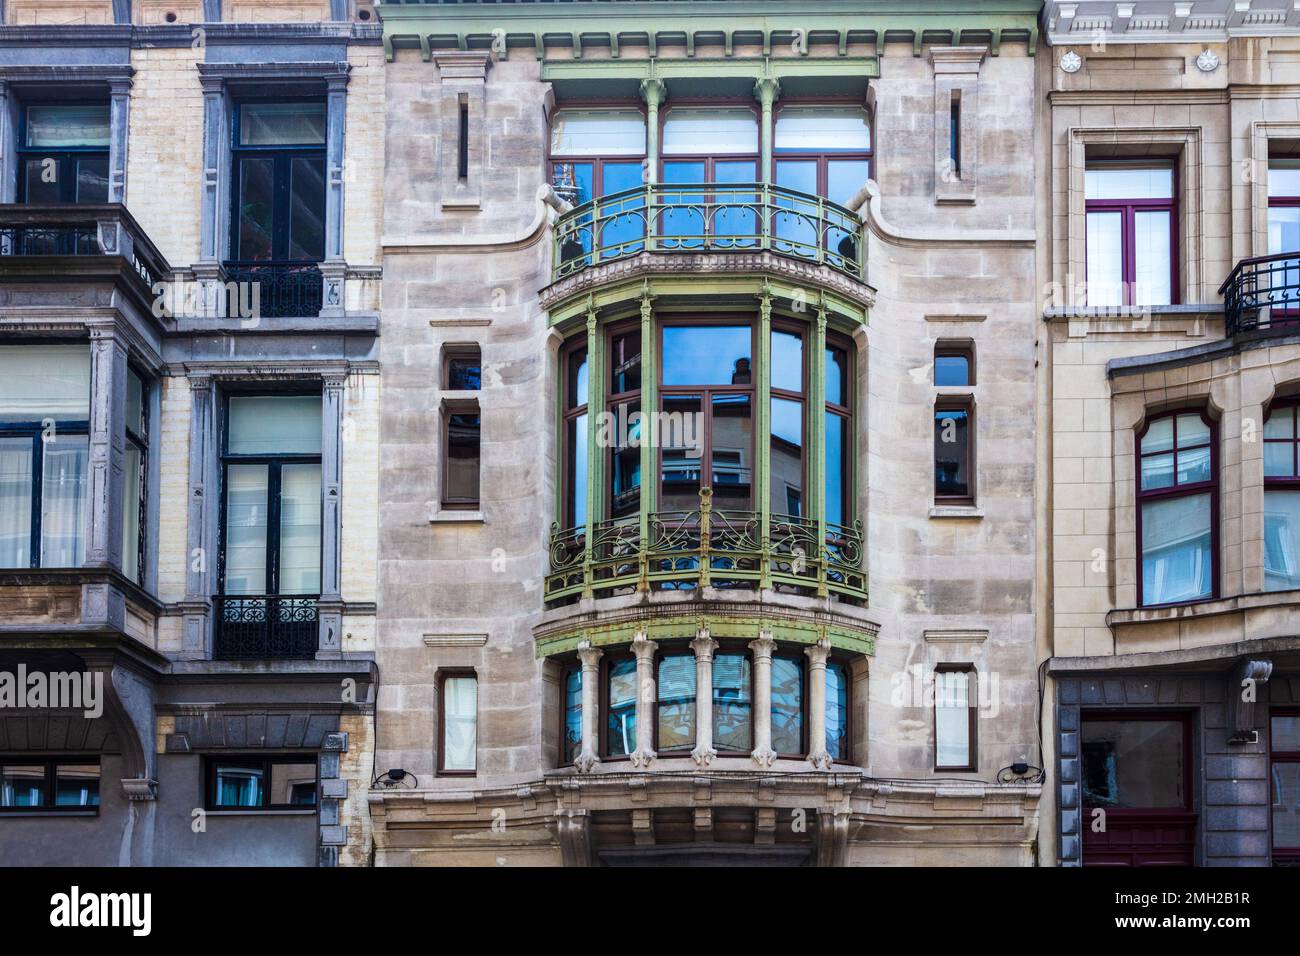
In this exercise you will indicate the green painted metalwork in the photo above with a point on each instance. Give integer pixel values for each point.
(709, 217)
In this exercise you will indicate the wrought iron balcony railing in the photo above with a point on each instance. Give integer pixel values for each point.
(279, 289)
(265, 626)
(1263, 293)
(706, 547)
(31, 232)
(708, 217)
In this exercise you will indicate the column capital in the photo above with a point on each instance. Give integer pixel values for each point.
(767, 90)
(763, 646)
(704, 645)
(643, 647)
(653, 91)
(818, 654)
(589, 656)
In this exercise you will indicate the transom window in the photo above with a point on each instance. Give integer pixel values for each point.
(1282, 496)
(63, 153)
(1131, 235)
(597, 152)
(823, 150)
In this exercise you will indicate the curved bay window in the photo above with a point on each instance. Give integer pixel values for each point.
(838, 676)
(717, 146)
(1177, 508)
(789, 738)
(675, 703)
(620, 692)
(1282, 496)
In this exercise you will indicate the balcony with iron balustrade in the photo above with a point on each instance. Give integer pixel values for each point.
(1261, 296)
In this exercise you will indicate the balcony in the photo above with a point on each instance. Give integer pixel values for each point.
(278, 289)
(724, 549)
(1263, 295)
(709, 218)
(265, 626)
(48, 241)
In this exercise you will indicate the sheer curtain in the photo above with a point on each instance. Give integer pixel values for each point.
(300, 506)
(63, 498)
(15, 502)
(460, 715)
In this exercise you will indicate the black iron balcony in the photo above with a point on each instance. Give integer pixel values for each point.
(278, 289)
(33, 238)
(264, 626)
(1263, 294)
(709, 217)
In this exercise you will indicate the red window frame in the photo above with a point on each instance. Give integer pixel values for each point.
(1128, 209)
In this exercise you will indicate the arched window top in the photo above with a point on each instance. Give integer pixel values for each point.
(710, 131)
(823, 129)
(1175, 450)
(598, 132)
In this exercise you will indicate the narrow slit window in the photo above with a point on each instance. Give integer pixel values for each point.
(462, 156)
(954, 133)
(461, 452)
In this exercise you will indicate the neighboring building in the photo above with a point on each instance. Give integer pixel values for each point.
(789, 617)
(1171, 224)
(188, 478)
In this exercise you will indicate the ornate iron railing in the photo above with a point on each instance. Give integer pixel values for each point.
(708, 217)
(704, 547)
(279, 289)
(1263, 293)
(265, 626)
(105, 229)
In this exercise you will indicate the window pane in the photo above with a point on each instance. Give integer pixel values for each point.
(256, 206)
(578, 470)
(1114, 182)
(823, 128)
(15, 502)
(787, 705)
(1159, 436)
(1105, 284)
(42, 179)
(572, 742)
(787, 361)
(460, 719)
(1157, 472)
(463, 431)
(952, 701)
(61, 127)
(300, 507)
(135, 396)
(1194, 466)
(844, 177)
(598, 133)
(240, 785)
(1152, 256)
(275, 425)
(464, 374)
(837, 376)
(1280, 422)
(1286, 804)
(732, 704)
(307, 209)
(92, 180)
(621, 729)
(1192, 430)
(1133, 763)
(681, 446)
(293, 785)
(1281, 541)
(625, 363)
(625, 460)
(22, 785)
(131, 485)
(733, 440)
(951, 370)
(76, 785)
(578, 379)
(1279, 459)
(44, 381)
(837, 482)
(1283, 229)
(245, 531)
(1284, 178)
(63, 498)
(282, 124)
(710, 132)
(787, 457)
(837, 710)
(951, 459)
(1176, 556)
(676, 687)
(706, 355)
(574, 182)
(1285, 733)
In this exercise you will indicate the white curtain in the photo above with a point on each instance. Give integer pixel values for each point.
(15, 502)
(300, 506)
(275, 425)
(44, 381)
(460, 714)
(63, 499)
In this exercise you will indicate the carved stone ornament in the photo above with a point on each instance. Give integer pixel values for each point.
(1071, 62)
(1208, 61)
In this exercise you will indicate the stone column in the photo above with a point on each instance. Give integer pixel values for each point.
(107, 453)
(762, 650)
(818, 756)
(644, 649)
(201, 519)
(330, 607)
(119, 91)
(334, 268)
(8, 144)
(588, 759)
(703, 646)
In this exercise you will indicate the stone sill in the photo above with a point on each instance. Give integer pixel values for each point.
(456, 517)
(1203, 609)
(261, 813)
(957, 511)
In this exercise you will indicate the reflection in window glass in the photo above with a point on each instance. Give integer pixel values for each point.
(732, 703)
(787, 361)
(1281, 539)
(572, 743)
(22, 785)
(598, 133)
(67, 126)
(76, 785)
(732, 433)
(282, 124)
(1176, 550)
(787, 705)
(951, 369)
(706, 355)
(239, 785)
(463, 436)
(676, 710)
(707, 131)
(620, 731)
(822, 129)
(787, 457)
(837, 710)
(1133, 764)
(952, 453)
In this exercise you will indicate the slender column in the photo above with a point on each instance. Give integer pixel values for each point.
(644, 649)
(649, 436)
(766, 92)
(119, 91)
(587, 759)
(817, 444)
(595, 454)
(703, 646)
(330, 606)
(214, 127)
(817, 753)
(762, 650)
(107, 449)
(8, 144)
(762, 432)
(652, 91)
(201, 518)
(334, 269)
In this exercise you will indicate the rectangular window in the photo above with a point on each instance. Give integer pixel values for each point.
(134, 508)
(462, 368)
(461, 450)
(1283, 236)
(733, 709)
(953, 459)
(955, 714)
(1282, 497)
(462, 142)
(954, 365)
(256, 782)
(1131, 235)
(36, 783)
(279, 175)
(838, 744)
(571, 729)
(954, 133)
(1134, 762)
(675, 707)
(458, 715)
(1177, 503)
(1284, 749)
(620, 706)
(63, 154)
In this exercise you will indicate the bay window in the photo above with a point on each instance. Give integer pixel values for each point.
(620, 692)
(597, 153)
(716, 146)
(1177, 507)
(675, 704)
(788, 703)
(571, 712)
(1282, 496)
(1131, 240)
(733, 702)
(63, 153)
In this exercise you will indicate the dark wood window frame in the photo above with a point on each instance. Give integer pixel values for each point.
(598, 163)
(846, 663)
(963, 403)
(710, 160)
(572, 408)
(66, 157)
(800, 660)
(947, 348)
(729, 648)
(267, 762)
(451, 409)
(50, 764)
(972, 707)
(454, 352)
(823, 157)
(1128, 210)
(441, 681)
(1287, 856)
(567, 668)
(606, 666)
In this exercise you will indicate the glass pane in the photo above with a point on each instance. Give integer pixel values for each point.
(621, 729)
(787, 361)
(952, 702)
(797, 223)
(1105, 254)
(282, 124)
(1284, 179)
(694, 131)
(44, 381)
(732, 704)
(293, 785)
(256, 203)
(63, 498)
(574, 181)
(706, 355)
(464, 374)
(676, 687)
(307, 209)
(683, 226)
(61, 127)
(1176, 556)
(625, 362)
(1286, 804)
(733, 441)
(1279, 459)
(572, 743)
(837, 376)
(131, 485)
(787, 705)
(1281, 541)
(1133, 763)
(463, 432)
(620, 177)
(42, 180)
(681, 440)
(135, 395)
(15, 502)
(1283, 229)
(1194, 466)
(300, 508)
(1117, 182)
(951, 460)
(787, 457)
(598, 133)
(76, 785)
(844, 177)
(240, 785)
(625, 473)
(622, 224)
(1157, 472)
(823, 129)
(1280, 422)
(577, 446)
(1192, 430)
(274, 425)
(22, 785)
(735, 221)
(951, 370)
(1159, 436)
(837, 710)
(245, 531)
(92, 180)
(1285, 733)
(578, 379)
(1151, 250)
(838, 481)
(460, 723)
